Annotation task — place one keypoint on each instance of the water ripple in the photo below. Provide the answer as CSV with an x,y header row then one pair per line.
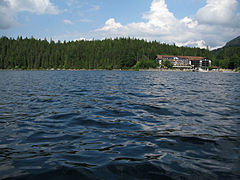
x,y
119,125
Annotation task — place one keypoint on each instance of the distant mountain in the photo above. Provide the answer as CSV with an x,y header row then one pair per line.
x,y
234,43
229,55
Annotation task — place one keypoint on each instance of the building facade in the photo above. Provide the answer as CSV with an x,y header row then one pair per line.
x,y
195,62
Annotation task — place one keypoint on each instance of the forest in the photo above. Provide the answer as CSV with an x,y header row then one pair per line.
x,y
118,53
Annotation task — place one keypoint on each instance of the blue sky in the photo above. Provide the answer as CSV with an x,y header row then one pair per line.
x,y
198,23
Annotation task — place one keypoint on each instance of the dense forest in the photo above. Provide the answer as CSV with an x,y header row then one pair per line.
x,y
119,53
229,55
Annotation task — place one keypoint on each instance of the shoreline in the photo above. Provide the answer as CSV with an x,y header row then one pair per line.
x,y
191,70
149,70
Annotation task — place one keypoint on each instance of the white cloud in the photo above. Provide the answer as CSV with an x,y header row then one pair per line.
x,y
160,21
200,43
189,22
6,16
163,26
160,16
10,8
111,25
34,6
67,21
222,12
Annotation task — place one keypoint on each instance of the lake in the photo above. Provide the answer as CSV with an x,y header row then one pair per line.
x,y
119,125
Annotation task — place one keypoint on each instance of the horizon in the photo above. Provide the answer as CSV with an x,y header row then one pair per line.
x,y
115,38
187,23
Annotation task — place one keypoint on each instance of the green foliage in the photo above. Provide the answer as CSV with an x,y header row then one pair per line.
x,y
210,68
109,67
120,53
234,62
224,63
146,64
129,61
228,56
167,64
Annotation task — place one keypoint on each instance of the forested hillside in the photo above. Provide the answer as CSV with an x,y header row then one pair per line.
x,y
229,55
234,43
120,53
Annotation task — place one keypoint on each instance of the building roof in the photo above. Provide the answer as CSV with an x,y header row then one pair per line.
x,y
195,58
164,56
192,58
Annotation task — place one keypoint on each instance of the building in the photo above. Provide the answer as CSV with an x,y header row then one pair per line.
x,y
194,62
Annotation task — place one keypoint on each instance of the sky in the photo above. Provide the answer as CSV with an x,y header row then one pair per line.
x,y
194,23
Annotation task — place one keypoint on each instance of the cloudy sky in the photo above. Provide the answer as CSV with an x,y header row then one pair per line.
x,y
198,23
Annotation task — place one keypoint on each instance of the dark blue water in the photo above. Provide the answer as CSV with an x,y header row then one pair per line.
x,y
119,125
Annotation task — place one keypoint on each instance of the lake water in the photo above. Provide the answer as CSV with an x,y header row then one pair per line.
x,y
119,125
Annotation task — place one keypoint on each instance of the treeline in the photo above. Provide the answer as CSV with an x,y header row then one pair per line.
x,y
227,57
119,53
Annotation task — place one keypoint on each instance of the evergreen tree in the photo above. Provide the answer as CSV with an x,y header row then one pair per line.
x,y
119,53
